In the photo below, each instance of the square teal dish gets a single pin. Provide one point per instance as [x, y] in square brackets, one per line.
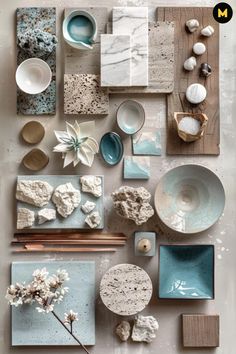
[186, 272]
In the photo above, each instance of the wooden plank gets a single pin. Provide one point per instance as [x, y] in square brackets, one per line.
[176, 101]
[200, 330]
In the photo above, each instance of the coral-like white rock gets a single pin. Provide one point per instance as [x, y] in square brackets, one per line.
[25, 218]
[36, 192]
[192, 25]
[196, 93]
[190, 63]
[133, 203]
[199, 48]
[123, 331]
[66, 198]
[144, 329]
[88, 207]
[93, 220]
[91, 184]
[46, 214]
[207, 31]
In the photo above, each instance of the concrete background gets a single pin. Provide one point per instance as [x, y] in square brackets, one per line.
[222, 235]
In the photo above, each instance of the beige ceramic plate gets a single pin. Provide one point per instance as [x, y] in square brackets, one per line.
[35, 160]
[32, 132]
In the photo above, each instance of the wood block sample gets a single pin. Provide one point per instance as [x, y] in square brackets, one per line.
[176, 102]
[200, 330]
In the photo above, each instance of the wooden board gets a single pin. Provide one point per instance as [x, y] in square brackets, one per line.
[161, 60]
[176, 101]
[43, 18]
[200, 330]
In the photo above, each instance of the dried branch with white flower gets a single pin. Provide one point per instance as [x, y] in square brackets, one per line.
[46, 291]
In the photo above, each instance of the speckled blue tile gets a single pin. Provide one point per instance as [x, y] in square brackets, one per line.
[136, 167]
[147, 143]
[32, 328]
[43, 18]
[145, 235]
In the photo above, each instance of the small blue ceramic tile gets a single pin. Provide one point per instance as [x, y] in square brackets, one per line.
[147, 143]
[32, 328]
[136, 167]
[43, 18]
[77, 219]
[186, 272]
[140, 235]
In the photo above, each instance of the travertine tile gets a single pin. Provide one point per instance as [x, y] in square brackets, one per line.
[83, 95]
[133, 21]
[115, 60]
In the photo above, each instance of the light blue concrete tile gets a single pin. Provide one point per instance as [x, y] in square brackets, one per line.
[32, 328]
[77, 219]
[136, 167]
[147, 143]
[140, 235]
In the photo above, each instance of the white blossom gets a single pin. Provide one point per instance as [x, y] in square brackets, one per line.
[71, 317]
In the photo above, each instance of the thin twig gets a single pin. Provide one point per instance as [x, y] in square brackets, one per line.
[63, 324]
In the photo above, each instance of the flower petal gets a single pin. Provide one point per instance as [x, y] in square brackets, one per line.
[93, 144]
[71, 130]
[61, 136]
[87, 129]
[86, 156]
[69, 157]
[77, 128]
[62, 147]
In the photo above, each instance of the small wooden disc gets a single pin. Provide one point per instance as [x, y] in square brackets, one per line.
[32, 132]
[35, 160]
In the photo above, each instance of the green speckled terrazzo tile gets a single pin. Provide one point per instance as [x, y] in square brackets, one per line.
[32, 328]
[43, 18]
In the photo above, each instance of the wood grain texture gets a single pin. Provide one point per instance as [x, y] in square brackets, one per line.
[200, 330]
[176, 101]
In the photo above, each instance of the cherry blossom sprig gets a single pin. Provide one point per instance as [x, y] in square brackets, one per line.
[46, 291]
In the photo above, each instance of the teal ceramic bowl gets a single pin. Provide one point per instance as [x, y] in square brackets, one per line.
[130, 117]
[111, 148]
[80, 30]
[189, 199]
[186, 272]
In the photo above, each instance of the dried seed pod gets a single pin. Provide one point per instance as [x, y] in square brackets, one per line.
[192, 25]
[205, 69]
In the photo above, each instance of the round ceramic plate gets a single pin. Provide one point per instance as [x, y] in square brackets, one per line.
[130, 117]
[32, 132]
[189, 199]
[111, 148]
[35, 160]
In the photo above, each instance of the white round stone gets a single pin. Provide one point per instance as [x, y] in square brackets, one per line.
[190, 63]
[126, 289]
[199, 48]
[196, 93]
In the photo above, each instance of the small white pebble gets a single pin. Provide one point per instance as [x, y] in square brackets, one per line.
[199, 48]
[218, 240]
[189, 125]
[219, 256]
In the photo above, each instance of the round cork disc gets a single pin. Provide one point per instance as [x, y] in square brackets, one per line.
[32, 132]
[126, 289]
[35, 160]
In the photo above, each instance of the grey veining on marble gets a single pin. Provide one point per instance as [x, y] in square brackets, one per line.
[134, 22]
[160, 60]
[83, 95]
[126, 289]
[86, 61]
[115, 60]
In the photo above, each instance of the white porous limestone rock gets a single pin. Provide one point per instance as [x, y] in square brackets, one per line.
[192, 25]
[133, 203]
[66, 198]
[207, 31]
[190, 63]
[88, 207]
[199, 48]
[144, 329]
[91, 184]
[46, 214]
[36, 192]
[123, 331]
[25, 218]
[93, 220]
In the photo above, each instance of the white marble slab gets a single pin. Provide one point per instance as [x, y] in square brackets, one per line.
[133, 21]
[115, 60]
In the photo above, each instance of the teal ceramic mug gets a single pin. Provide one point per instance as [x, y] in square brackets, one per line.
[80, 30]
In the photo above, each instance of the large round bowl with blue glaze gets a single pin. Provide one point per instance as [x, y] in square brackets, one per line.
[189, 199]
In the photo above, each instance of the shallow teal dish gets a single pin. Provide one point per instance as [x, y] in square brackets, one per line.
[111, 148]
[80, 30]
[186, 272]
[189, 199]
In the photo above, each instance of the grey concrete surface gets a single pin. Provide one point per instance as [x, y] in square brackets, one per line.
[222, 235]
